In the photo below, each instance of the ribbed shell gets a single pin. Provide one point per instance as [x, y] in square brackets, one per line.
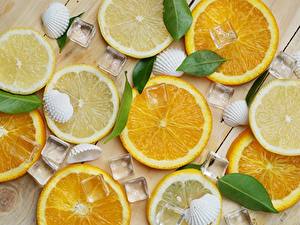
[236, 114]
[297, 69]
[56, 20]
[83, 153]
[168, 61]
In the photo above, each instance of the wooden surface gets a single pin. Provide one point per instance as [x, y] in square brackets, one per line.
[20, 13]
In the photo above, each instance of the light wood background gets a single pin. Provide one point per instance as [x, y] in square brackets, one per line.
[18, 203]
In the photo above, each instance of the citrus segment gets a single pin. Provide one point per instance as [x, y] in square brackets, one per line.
[179, 189]
[26, 61]
[171, 135]
[254, 28]
[95, 103]
[274, 117]
[64, 202]
[134, 28]
[279, 174]
[22, 137]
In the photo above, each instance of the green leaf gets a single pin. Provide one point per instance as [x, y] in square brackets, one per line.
[13, 104]
[142, 72]
[256, 86]
[247, 191]
[191, 166]
[62, 40]
[201, 63]
[177, 17]
[122, 113]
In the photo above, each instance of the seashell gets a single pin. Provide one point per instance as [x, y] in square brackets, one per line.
[168, 61]
[58, 106]
[203, 211]
[56, 20]
[236, 114]
[297, 67]
[83, 153]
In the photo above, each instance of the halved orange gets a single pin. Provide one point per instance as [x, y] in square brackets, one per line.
[253, 49]
[279, 174]
[64, 202]
[169, 124]
[22, 137]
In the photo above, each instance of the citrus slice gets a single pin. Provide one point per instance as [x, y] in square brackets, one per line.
[95, 103]
[249, 29]
[27, 61]
[274, 117]
[279, 174]
[179, 189]
[133, 27]
[64, 202]
[173, 133]
[22, 137]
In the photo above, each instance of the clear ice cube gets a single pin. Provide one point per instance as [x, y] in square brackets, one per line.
[157, 96]
[238, 217]
[55, 151]
[223, 34]
[219, 95]
[282, 66]
[214, 166]
[41, 172]
[169, 214]
[95, 188]
[136, 189]
[21, 154]
[112, 61]
[81, 32]
[121, 167]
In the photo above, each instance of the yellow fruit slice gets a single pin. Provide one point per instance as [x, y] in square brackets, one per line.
[274, 117]
[179, 189]
[64, 202]
[27, 61]
[171, 135]
[22, 137]
[279, 174]
[95, 103]
[135, 28]
[257, 37]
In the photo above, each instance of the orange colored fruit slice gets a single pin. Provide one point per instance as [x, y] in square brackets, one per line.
[174, 132]
[22, 137]
[253, 49]
[279, 174]
[64, 202]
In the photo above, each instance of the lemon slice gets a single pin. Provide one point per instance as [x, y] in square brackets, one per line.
[179, 189]
[95, 103]
[133, 27]
[274, 117]
[26, 61]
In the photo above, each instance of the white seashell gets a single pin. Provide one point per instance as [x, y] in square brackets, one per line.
[236, 114]
[83, 153]
[297, 68]
[56, 19]
[168, 61]
[203, 211]
[58, 106]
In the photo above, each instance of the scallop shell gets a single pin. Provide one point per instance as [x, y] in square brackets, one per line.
[297, 68]
[83, 153]
[203, 211]
[236, 114]
[56, 19]
[58, 106]
[168, 61]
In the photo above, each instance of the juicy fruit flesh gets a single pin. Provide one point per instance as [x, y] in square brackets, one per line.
[23, 56]
[92, 105]
[251, 27]
[139, 24]
[67, 204]
[169, 131]
[278, 117]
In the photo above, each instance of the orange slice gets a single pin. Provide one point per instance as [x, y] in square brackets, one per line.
[279, 174]
[256, 43]
[63, 201]
[22, 137]
[174, 132]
